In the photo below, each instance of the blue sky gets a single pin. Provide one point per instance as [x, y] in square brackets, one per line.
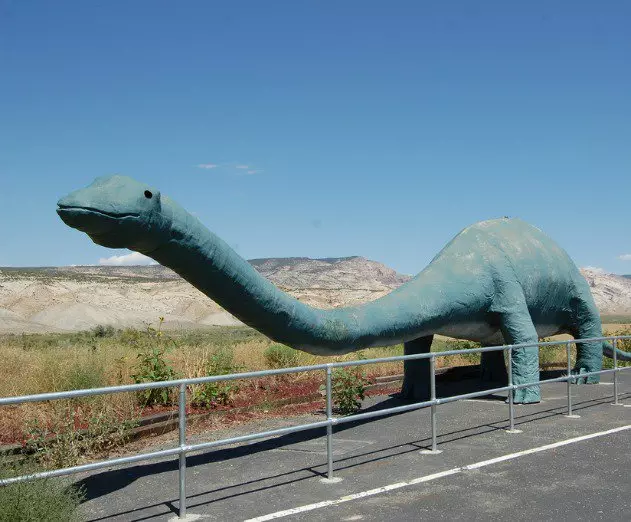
[368, 128]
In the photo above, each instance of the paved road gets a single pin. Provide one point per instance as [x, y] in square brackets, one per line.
[571, 474]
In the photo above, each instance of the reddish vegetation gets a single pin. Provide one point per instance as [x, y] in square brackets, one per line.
[255, 398]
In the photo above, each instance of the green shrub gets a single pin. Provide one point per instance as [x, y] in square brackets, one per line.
[102, 331]
[221, 362]
[131, 336]
[212, 394]
[43, 500]
[280, 356]
[458, 344]
[152, 365]
[153, 368]
[348, 387]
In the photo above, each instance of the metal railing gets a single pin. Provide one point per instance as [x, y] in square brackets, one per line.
[183, 448]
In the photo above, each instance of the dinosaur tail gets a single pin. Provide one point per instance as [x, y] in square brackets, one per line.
[620, 354]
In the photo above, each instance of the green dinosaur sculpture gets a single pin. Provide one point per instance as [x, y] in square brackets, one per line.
[498, 281]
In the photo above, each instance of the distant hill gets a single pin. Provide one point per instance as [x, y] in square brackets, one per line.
[611, 292]
[80, 297]
[628, 276]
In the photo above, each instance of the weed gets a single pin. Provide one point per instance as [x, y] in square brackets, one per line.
[455, 360]
[280, 356]
[153, 367]
[348, 388]
[222, 362]
[212, 394]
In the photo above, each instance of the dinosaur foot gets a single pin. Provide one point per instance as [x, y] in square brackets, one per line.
[592, 379]
[527, 395]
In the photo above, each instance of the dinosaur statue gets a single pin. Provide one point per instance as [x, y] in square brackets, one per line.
[498, 281]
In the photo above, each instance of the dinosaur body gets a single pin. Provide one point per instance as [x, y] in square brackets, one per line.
[499, 281]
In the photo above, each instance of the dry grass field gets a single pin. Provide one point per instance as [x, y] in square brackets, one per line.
[103, 356]
[39, 363]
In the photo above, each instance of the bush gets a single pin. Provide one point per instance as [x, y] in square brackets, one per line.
[471, 358]
[102, 331]
[152, 366]
[131, 336]
[43, 500]
[221, 362]
[212, 394]
[348, 387]
[280, 356]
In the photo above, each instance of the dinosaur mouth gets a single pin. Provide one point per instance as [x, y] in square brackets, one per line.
[67, 209]
[92, 221]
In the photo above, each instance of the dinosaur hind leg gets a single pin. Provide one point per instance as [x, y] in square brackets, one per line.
[589, 356]
[416, 380]
[518, 328]
[493, 367]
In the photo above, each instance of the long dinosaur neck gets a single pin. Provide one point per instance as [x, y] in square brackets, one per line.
[209, 264]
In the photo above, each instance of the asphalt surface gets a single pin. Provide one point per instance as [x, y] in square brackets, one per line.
[582, 480]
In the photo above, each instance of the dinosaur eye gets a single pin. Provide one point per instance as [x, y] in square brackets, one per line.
[148, 194]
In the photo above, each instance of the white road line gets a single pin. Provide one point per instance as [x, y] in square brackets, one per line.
[434, 476]
[544, 448]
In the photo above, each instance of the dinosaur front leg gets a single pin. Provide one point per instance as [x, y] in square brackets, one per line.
[517, 328]
[416, 380]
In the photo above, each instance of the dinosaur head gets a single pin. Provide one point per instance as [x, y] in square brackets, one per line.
[117, 212]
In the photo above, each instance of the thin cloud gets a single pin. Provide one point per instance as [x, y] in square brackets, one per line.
[225, 167]
[625, 257]
[133, 258]
[595, 269]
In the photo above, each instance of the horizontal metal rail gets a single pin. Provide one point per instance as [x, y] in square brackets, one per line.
[183, 449]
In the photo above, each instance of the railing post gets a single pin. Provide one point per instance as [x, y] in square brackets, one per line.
[511, 406]
[182, 440]
[432, 387]
[329, 428]
[615, 373]
[432, 365]
[570, 415]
